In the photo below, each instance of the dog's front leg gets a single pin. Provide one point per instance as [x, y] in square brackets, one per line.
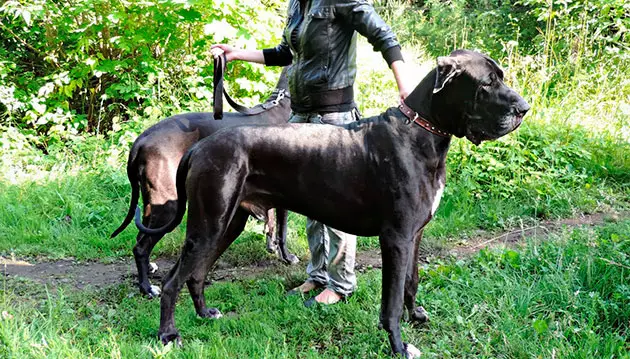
[395, 249]
[416, 314]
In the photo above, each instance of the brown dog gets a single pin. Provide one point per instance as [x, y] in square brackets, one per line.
[153, 161]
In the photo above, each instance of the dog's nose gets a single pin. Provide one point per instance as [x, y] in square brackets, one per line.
[522, 107]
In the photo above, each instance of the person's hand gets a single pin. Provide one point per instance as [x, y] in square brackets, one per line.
[218, 49]
[231, 53]
[404, 90]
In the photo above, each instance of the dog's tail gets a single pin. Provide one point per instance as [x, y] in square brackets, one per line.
[182, 172]
[132, 175]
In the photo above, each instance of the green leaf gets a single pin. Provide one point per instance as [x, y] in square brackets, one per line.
[540, 326]
[26, 15]
[189, 14]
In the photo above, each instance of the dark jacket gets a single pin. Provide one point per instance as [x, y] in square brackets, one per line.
[322, 48]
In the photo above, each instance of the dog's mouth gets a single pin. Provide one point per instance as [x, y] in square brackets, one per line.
[518, 120]
[477, 136]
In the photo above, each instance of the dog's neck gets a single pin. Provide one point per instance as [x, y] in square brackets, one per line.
[432, 147]
[422, 100]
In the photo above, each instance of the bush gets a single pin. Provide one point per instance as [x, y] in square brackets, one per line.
[87, 66]
[537, 26]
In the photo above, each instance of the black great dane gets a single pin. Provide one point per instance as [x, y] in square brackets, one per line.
[382, 176]
[152, 166]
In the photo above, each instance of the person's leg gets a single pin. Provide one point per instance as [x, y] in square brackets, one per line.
[318, 244]
[315, 235]
[342, 280]
[341, 246]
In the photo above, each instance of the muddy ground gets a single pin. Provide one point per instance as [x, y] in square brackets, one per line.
[96, 275]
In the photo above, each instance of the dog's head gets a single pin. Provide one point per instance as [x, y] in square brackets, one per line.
[469, 86]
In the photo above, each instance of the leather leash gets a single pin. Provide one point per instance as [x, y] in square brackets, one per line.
[219, 91]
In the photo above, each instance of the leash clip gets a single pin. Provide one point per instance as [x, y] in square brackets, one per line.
[276, 101]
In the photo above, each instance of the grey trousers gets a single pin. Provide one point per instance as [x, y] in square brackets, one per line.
[332, 251]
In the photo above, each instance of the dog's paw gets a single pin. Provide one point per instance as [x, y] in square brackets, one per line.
[212, 313]
[153, 268]
[411, 351]
[170, 337]
[419, 316]
[291, 259]
[272, 246]
[153, 292]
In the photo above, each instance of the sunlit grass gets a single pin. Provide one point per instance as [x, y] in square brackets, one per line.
[566, 294]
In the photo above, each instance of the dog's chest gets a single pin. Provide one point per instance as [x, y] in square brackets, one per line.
[435, 202]
[431, 187]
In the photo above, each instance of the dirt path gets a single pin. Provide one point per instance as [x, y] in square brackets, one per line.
[69, 273]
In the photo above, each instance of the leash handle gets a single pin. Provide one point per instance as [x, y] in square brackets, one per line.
[217, 79]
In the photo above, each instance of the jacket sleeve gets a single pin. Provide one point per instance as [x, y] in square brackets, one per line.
[364, 19]
[279, 55]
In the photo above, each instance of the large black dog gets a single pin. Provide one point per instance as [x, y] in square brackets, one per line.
[152, 166]
[379, 176]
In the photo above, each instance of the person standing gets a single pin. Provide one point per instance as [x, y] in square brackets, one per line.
[319, 41]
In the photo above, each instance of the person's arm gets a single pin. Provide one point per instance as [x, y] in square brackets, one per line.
[237, 54]
[277, 56]
[399, 68]
[364, 19]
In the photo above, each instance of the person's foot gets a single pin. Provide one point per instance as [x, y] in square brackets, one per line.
[326, 297]
[304, 288]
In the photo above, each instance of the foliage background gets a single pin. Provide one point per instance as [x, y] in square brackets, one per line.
[73, 68]
[70, 69]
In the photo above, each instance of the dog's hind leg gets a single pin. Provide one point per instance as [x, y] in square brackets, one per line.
[199, 242]
[206, 229]
[156, 176]
[154, 216]
[281, 237]
[416, 314]
[197, 280]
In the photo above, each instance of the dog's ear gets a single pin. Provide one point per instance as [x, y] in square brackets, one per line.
[447, 68]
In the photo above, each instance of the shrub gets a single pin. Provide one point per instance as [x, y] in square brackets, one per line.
[70, 68]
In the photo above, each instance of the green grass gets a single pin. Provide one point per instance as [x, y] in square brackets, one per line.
[567, 295]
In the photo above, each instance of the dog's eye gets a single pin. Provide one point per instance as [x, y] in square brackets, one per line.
[490, 80]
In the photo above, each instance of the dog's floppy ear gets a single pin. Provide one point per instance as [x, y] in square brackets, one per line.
[447, 68]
